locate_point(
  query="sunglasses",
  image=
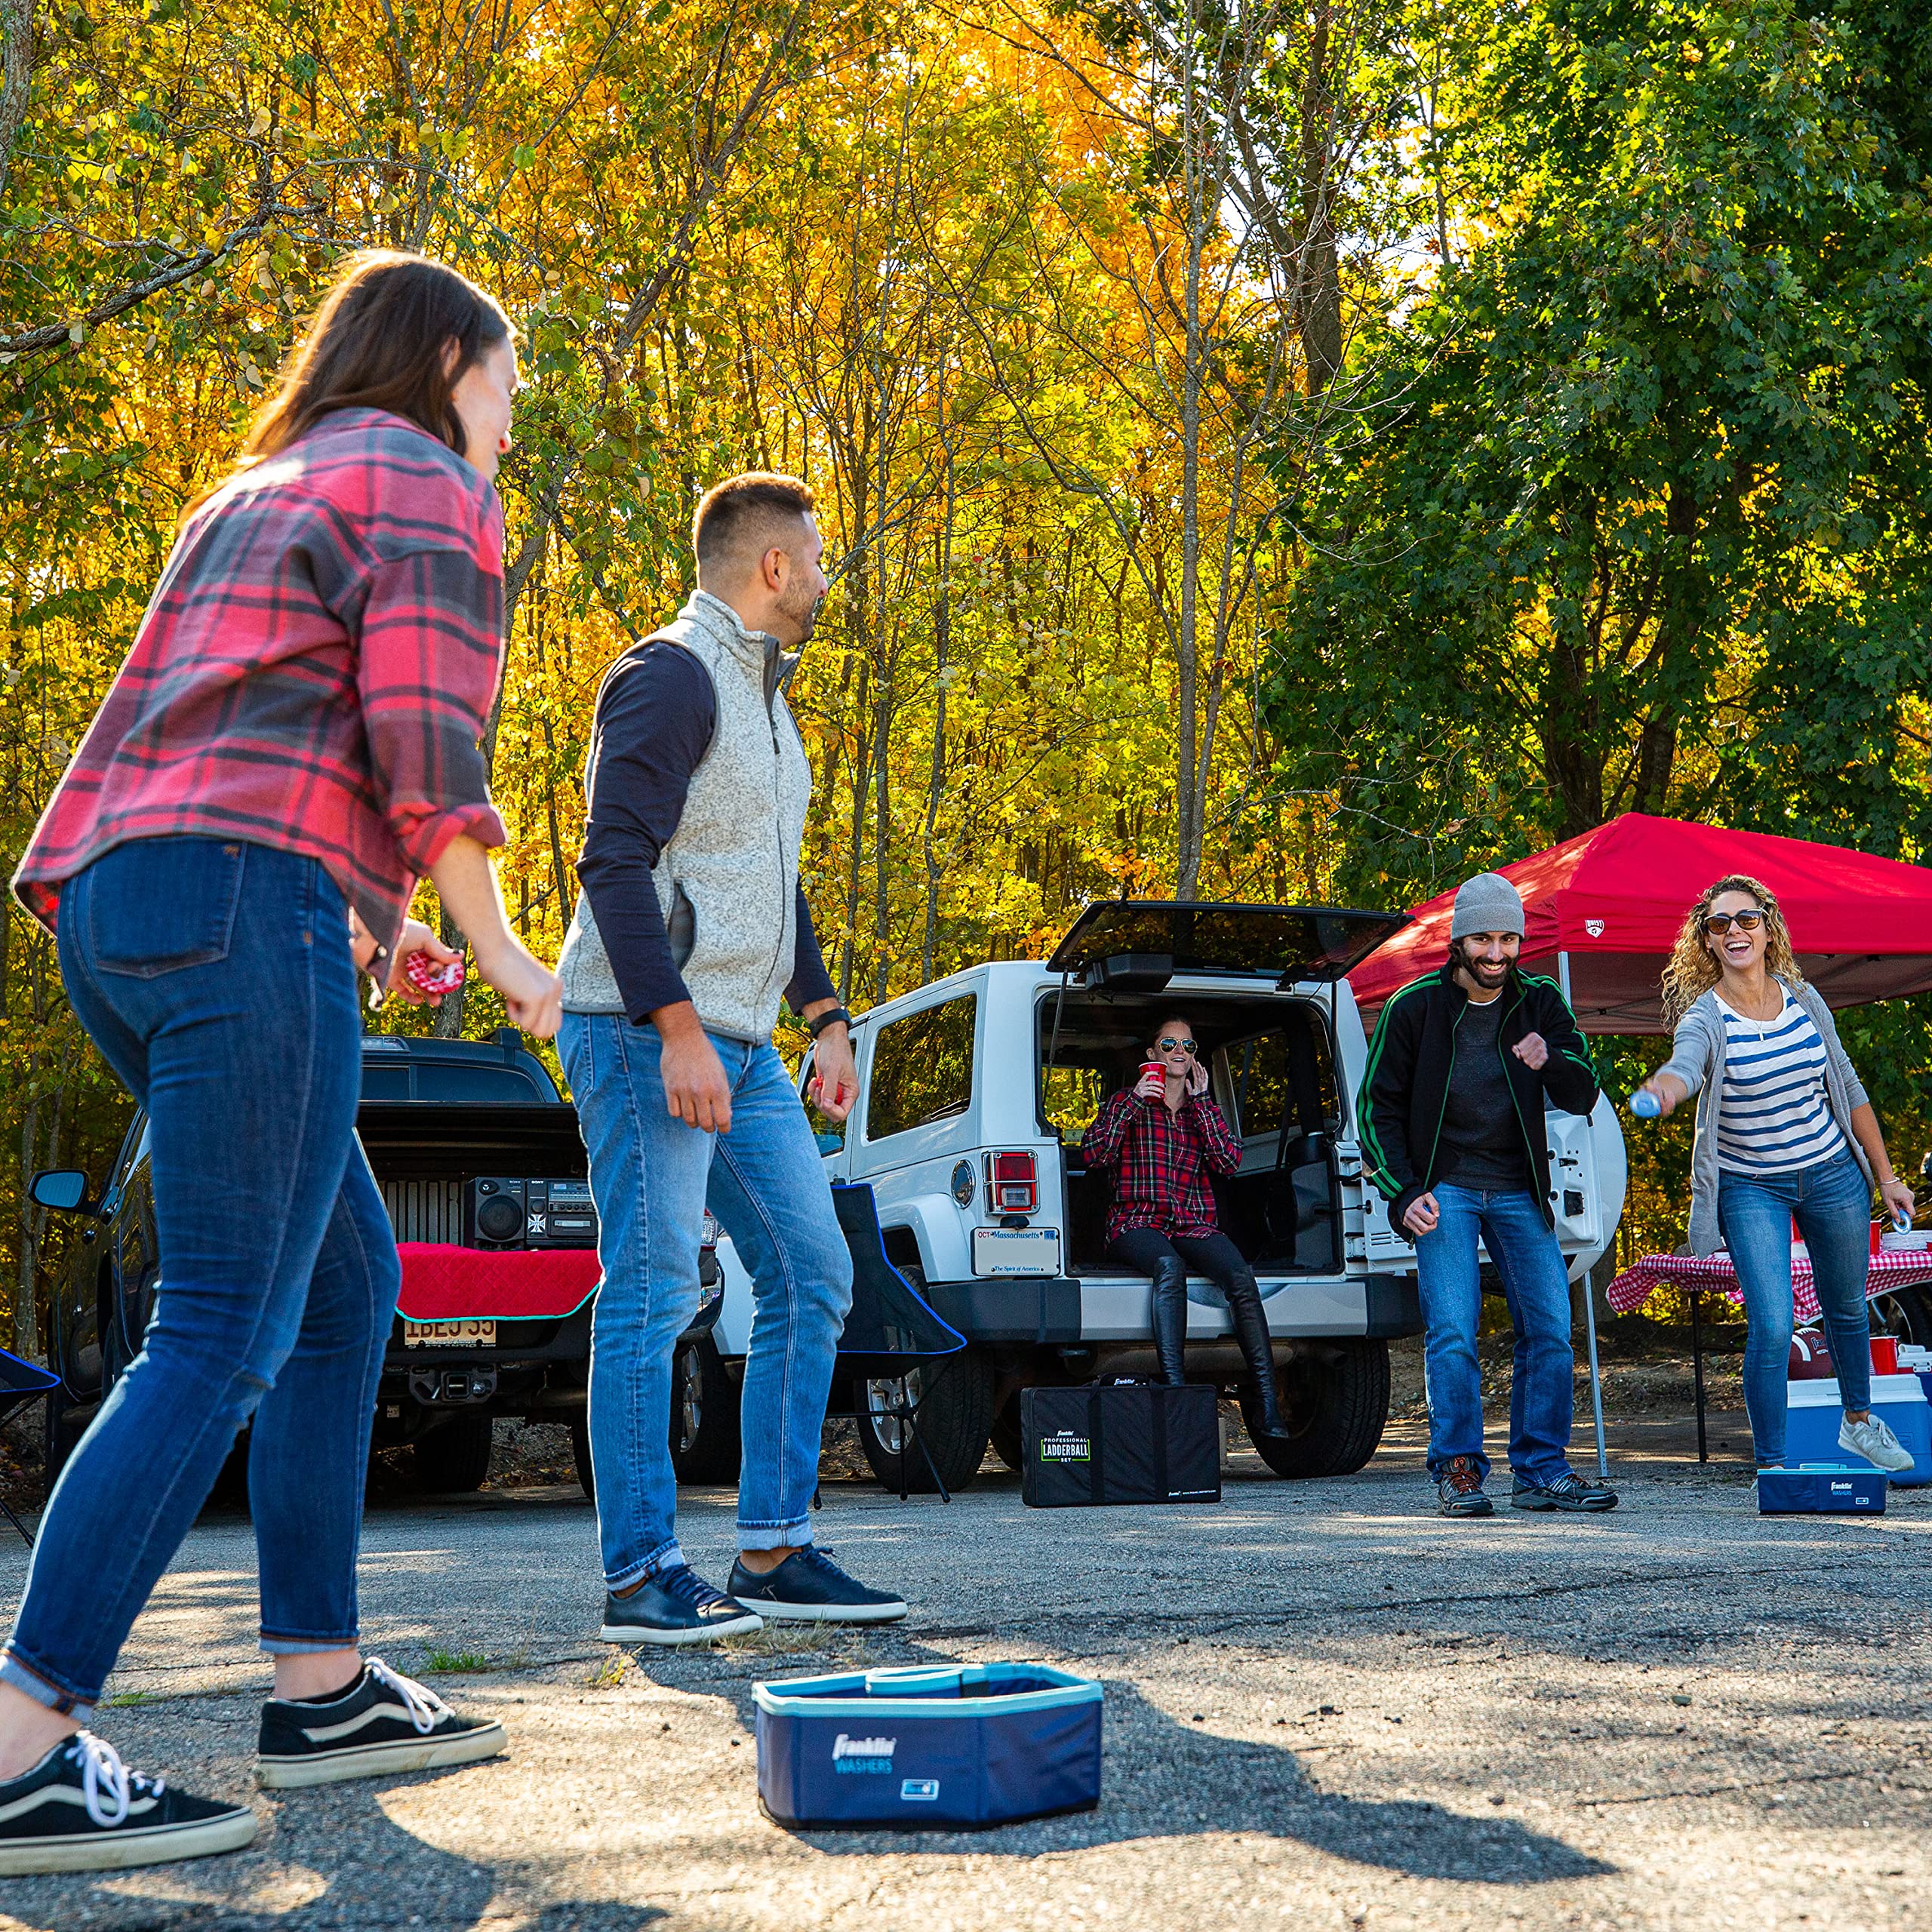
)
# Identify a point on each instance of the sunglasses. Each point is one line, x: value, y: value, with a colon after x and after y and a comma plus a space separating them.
x: 1167, y: 1043
x: 1721, y: 922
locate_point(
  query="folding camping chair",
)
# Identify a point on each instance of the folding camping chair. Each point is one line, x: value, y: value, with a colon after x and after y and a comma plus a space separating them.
x: 889, y: 1334
x: 21, y: 1382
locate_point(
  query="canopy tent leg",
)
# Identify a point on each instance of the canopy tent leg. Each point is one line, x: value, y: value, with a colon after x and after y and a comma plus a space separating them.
x: 1589, y: 1297
x: 1697, y: 1365
x: 1596, y: 1380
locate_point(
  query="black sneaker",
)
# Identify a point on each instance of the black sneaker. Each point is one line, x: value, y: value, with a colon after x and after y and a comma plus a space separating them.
x: 1459, y: 1489
x: 1569, y: 1491
x: 383, y: 1723
x: 80, y: 1809
x: 809, y: 1588
x: 676, y: 1606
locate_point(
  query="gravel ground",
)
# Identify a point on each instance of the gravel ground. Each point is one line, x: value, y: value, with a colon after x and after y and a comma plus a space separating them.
x: 1325, y: 1707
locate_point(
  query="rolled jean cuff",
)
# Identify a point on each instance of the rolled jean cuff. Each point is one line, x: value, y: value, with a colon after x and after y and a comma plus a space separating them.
x: 666, y: 1556
x: 775, y: 1536
x: 275, y: 1645
x: 44, y: 1689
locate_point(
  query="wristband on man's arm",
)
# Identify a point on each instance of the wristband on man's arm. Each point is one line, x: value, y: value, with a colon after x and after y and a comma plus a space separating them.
x: 835, y: 1016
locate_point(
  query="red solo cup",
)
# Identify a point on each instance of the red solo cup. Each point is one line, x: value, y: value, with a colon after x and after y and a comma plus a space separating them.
x: 1157, y: 1069
x: 1884, y: 1355
x: 1878, y: 1229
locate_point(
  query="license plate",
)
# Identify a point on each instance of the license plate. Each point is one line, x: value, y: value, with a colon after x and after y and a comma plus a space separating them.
x: 1016, y: 1250
x: 449, y: 1334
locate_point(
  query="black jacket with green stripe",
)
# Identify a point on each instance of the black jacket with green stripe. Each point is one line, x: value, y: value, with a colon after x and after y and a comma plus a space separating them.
x: 1406, y: 1086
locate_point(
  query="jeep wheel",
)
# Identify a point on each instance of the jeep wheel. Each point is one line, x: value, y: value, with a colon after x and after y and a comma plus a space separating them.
x: 231, y: 1483
x: 1905, y: 1312
x: 954, y: 1398
x: 1334, y: 1398
x: 1006, y: 1437
x: 586, y: 1475
x: 705, y: 1445
x: 453, y: 1459
x: 59, y: 1435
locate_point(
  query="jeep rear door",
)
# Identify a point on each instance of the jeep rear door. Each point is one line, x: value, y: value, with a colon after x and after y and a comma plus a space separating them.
x: 1142, y: 942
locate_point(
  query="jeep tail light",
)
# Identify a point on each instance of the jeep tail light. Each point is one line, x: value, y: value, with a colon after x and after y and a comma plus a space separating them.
x: 1013, y: 1183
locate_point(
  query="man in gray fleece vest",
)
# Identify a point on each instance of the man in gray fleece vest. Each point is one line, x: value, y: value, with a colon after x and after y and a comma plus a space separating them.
x: 689, y: 928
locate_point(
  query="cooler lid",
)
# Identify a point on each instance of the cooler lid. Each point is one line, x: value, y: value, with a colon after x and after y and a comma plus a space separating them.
x: 1285, y: 944
x: 1822, y: 1392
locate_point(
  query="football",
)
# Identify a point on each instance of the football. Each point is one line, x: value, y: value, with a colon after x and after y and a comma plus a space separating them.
x: 1810, y: 1359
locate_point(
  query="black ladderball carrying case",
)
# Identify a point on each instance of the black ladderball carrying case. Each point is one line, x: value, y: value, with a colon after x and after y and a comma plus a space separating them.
x: 1119, y: 1442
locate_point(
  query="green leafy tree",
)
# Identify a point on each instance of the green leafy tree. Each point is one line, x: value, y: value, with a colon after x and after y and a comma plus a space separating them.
x: 1643, y: 522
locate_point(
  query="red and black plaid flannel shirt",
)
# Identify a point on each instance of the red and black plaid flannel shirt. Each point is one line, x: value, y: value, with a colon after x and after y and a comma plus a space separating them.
x: 1161, y: 1162
x: 313, y: 673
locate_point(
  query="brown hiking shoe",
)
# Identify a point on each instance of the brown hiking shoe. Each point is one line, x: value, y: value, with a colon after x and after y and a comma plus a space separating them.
x: 1459, y: 1489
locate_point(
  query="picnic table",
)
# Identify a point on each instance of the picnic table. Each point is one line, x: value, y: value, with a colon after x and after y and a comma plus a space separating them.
x: 1702, y: 1274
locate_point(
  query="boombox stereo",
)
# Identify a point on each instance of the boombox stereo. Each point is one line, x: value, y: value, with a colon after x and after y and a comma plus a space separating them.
x: 528, y: 1213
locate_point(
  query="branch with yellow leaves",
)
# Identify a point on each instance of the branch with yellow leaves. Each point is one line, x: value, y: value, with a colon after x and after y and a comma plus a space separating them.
x: 182, y: 268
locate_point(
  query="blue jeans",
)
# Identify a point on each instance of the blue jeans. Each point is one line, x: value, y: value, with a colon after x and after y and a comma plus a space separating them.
x: 1537, y: 1286
x: 1832, y: 1202
x: 652, y: 1177
x: 215, y: 977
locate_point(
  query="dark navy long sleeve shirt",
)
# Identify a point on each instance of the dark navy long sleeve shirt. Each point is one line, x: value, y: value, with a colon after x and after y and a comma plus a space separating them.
x: 655, y: 718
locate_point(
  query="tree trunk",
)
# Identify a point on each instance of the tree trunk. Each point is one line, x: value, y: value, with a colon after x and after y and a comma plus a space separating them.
x: 1200, y: 217
x: 1677, y: 622
x: 1320, y: 279
x: 15, y: 77
x: 942, y: 640
x: 1573, y: 766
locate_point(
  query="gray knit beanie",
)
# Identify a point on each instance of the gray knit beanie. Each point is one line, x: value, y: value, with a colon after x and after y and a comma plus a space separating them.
x: 1487, y: 904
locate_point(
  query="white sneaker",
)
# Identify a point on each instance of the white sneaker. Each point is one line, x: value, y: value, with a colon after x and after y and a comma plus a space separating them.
x: 1876, y: 1442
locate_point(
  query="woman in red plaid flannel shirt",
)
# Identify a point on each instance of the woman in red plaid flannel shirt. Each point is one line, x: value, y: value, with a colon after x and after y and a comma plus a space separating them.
x: 1164, y: 1139
x: 290, y: 742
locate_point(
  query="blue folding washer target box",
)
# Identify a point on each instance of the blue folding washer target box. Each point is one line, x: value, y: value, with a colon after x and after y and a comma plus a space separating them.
x: 950, y: 1747
x: 1822, y: 1489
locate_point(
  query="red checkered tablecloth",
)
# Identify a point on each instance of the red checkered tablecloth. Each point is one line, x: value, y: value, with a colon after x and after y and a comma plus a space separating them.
x: 1890, y: 1268
x: 444, y: 1283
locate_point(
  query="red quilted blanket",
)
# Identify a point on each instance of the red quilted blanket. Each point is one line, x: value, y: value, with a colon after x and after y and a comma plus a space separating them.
x: 444, y: 1283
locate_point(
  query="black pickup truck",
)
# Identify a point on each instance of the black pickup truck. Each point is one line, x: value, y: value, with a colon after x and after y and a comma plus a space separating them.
x: 439, y: 1119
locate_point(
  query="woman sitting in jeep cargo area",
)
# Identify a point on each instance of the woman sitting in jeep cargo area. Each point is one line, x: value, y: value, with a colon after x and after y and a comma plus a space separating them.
x: 1163, y: 1139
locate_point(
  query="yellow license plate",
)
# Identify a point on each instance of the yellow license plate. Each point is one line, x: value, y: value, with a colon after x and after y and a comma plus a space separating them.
x: 449, y: 1334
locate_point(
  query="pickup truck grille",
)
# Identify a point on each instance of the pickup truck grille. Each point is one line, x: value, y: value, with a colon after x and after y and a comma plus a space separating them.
x: 425, y: 1210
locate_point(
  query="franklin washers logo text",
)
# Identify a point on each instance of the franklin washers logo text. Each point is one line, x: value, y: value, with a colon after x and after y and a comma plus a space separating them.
x: 1063, y: 1446
x: 861, y: 1753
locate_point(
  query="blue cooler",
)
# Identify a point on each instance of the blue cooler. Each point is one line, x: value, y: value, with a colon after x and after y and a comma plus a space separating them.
x: 1822, y: 1489
x: 1816, y: 1409
x: 924, y: 1749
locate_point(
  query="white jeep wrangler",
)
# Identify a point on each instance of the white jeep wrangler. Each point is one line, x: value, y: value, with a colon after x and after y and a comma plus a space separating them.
x: 973, y: 1092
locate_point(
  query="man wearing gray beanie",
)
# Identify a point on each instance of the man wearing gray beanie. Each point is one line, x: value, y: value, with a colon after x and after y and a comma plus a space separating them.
x: 1451, y: 1116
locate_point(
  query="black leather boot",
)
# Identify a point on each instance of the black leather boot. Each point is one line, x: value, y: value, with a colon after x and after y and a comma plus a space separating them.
x: 1170, y: 1320
x: 1250, y: 1326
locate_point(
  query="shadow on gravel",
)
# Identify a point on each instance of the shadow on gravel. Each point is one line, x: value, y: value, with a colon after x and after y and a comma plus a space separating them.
x: 1163, y: 1779
x: 332, y: 1861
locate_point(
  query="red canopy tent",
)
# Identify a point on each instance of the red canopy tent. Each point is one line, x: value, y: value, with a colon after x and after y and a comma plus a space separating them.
x: 1601, y: 912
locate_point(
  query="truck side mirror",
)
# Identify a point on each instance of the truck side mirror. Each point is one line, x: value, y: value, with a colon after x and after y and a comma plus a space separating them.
x: 64, y: 1189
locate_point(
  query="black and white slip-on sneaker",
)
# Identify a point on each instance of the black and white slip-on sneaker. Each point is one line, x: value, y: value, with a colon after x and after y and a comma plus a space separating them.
x: 676, y: 1606
x: 384, y: 1723
x: 80, y: 1809
x: 809, y: 1588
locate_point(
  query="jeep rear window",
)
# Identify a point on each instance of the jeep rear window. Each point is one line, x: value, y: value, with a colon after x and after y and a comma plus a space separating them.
x: 922, y: 1068
x: 1283, y: 1076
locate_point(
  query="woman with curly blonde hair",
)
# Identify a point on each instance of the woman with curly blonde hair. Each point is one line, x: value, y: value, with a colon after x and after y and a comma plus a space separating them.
x: 1785, y: 1130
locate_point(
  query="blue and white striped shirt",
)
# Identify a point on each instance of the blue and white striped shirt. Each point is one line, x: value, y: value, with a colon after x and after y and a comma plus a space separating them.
x: 1774, y: 1115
